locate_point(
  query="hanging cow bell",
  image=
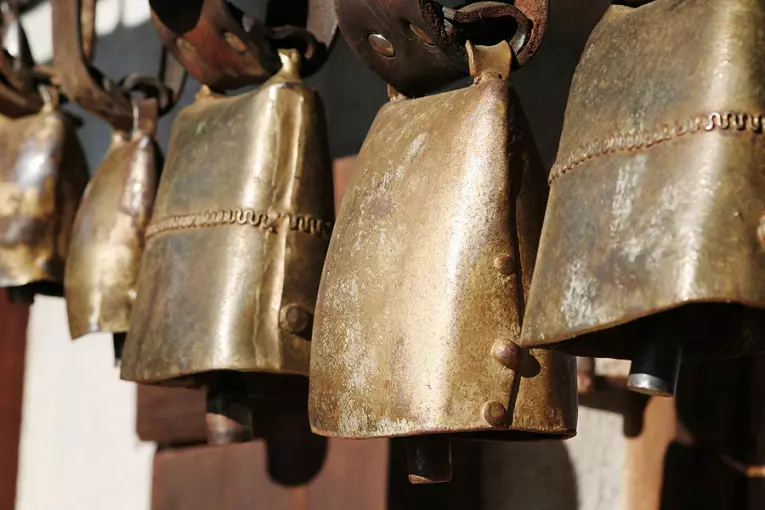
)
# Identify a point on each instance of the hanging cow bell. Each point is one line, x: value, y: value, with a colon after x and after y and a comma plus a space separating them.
x: 236, y: 246
x: 420, y: 306
x: 42, y: 176
x: 653, y: 247
x: 108, y: 236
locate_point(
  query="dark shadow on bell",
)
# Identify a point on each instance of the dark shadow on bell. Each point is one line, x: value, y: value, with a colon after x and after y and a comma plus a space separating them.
x: 497, y: 475
x: 529, y: 366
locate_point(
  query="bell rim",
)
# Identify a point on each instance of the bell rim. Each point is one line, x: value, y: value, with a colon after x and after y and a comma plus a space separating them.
x: 521, y: 434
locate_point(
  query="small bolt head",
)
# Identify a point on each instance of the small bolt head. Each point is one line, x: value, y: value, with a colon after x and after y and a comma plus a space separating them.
x: 505, y: 264
x: 294, y: 318
x: 421, y: 34
x: 381, y: 45
x: 235, y: 43
x: 507, y: 353
x: 494, y: 413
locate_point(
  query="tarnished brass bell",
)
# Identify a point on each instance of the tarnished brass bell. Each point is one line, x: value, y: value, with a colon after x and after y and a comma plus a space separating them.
x: 235, y: 248
x: 420, y: 306
x: 42, y: 176
x: 42, y: 171
x: 108, y: 236
x: 653, y: 247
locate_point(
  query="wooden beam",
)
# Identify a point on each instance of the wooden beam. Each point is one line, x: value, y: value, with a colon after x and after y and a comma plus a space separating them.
x: 13, y: 331
x: 234, y: 477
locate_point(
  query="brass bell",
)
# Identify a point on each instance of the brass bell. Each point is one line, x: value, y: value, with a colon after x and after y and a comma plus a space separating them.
x: 653, y: 247
x: 42, y: 176
x: 109, y: 229
x: 235, y: 248
x: 108, y: 235
x: 42, y: 172
x: 422, y: 296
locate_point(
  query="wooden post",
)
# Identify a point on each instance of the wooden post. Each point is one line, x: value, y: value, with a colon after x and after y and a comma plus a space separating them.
x: 13, y: 331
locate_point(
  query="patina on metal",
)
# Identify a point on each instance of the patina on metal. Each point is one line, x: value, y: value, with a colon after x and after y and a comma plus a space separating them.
x: 42, y: 176
x: 424, y: 288
x: 108, y: 235
x: 242, y: 224
x: 418, y: 46
x: 652, y: 241
x: 109, y: 230
x: 237, y: 241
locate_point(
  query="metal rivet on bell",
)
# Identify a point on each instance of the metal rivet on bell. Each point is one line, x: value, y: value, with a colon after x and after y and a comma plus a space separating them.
x: 381, y: 45
x: 294, y: 318
x: 421, y: 34
x: 506, y: 352
x: 235, y: 42
x: 494, y: 413
x: 505, y: 264
x: 761, y: 232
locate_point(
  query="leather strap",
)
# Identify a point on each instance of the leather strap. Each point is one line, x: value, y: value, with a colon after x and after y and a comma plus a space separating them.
x: 225, y: 49
x: 18, y: 87
x: 418, y: 46
x: 16, y: 104
x: 73, y: 32
x: 165, y: 89
x: 17, y: 71
x: 81, y: 83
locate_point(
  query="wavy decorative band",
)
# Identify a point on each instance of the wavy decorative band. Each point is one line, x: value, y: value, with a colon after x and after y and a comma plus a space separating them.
x: 634, y: 141
x: 269, y: 221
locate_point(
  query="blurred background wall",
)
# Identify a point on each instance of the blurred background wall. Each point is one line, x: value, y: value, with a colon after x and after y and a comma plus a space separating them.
x: 79, y: 450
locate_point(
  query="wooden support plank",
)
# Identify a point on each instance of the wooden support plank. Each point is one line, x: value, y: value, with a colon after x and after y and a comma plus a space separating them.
x: 171, y: 416
x: 646, y: 454
x: 13, y: 331
x: 234, y: 477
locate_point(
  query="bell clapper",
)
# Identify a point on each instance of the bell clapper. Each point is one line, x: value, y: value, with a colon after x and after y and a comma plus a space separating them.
x: 429, y: 459
x: 118, y: 341
x: 228, y: 420
x: 656, y: 363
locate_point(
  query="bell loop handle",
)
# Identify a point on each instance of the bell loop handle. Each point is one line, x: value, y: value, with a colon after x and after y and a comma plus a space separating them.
x: 495, y: 60
x: 16, y: 69
x: 146, y: 112
x: 165, y: 88
x: 50, y: 96
x: 486, y: 23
